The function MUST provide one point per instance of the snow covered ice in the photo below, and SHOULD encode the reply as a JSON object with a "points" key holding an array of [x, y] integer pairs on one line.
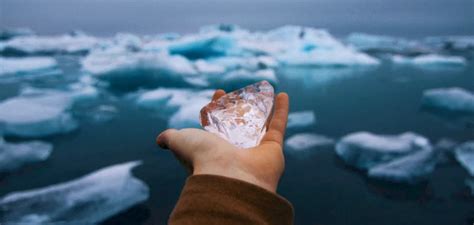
{"points": [[15, 155], [42, 112], [407, 157], [86, 200], [304, 141], [301, 119], [241, 116], [449, 99], [465, 156], [29, 65], [181, 106]]}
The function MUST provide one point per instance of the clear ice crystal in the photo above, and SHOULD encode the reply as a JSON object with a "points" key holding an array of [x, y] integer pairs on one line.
{"points": [[240, 116]]}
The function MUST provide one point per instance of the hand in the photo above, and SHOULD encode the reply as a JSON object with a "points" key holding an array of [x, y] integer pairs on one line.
{"points": [[202, 152]]}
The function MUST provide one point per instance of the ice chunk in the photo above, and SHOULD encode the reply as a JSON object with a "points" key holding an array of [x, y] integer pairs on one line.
{"points": [[450, 99], [63, 44], [203, 46], [21, 66], [304, 141], [411, 168], [240, 117], [384, 44], [16, 155], [133, 69], [301, 119], [465, 156], [7, 34], [42, 112], [434, 60], [181, 105], [365, 150], [87, 200], [452, 43]]}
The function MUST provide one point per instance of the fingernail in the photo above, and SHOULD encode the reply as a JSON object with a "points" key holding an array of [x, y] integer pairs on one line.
{"points": [[161, 142]]}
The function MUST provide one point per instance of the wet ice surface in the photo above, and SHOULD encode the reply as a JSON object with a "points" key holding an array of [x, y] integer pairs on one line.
{"points": [[121, 91], [15, 155]]}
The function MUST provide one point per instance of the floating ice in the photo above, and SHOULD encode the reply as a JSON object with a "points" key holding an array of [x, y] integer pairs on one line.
{"points": [[42, 112], [203, 46], [29, 65], [452, 43], [365, 150], [405, 158], [438, 60], [411, 168], [304, 141], [181, 105], [465, 155], [451, 99], [240, 117], [63, 44], [133, 69], [7, 34], [16, 155], [301, 119], [87, 200], [384, 44]]}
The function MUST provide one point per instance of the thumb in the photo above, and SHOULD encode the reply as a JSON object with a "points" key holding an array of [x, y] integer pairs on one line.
{"points": [[174, 140]]}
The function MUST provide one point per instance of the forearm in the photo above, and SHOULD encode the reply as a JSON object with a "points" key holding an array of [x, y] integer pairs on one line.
{"points": [[210, 199]]}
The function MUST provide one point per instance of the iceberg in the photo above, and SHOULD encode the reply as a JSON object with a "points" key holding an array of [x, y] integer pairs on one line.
{"points": [[453, 99], [304, 141], [76, 43], [470, 184], [135, 69], [203, 46], [411, 169], [365, 150], [404, 158], [7, 34], [42, 112], [438, 60], [385, 44], [182, 106], [465, 156], [301, 119], [29, 65], [86, 200], [15, 155]]}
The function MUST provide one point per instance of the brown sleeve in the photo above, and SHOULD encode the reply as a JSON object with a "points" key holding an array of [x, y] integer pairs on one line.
{"points": [[217, 200]]}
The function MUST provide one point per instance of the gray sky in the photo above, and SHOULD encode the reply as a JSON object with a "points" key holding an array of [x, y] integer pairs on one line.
{"points": [[409, 18]]}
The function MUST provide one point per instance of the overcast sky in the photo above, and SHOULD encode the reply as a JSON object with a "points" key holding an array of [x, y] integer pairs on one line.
{"points": [[410, 18]]}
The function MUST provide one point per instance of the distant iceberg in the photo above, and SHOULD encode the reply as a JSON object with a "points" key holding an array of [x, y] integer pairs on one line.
{"points": [[407, 158], [42, 112], [465, 156], [181, 106], [449, 99], [46, 45], [452, 43], [304, 141], [6, 34], [15, 155], [385, 44], [430, 61], [87, 200], [301, 119], [23, 66]]}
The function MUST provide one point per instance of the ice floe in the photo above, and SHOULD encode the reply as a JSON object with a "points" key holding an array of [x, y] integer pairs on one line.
{"points": [[385, 44], [301, 119], [38, 45], [42, 112], [407, 157], [86, 200], [304, 141], [465, 156], [15, 155], [430, 61], [449, 99], [181, 106], [29, 65]]}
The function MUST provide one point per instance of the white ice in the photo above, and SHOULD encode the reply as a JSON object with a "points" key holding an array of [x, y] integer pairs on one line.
{"points": [[86, 200], [64, 44], [26, 65], [42, 112], [433, 60], [301, 119], [182, 106], [451, 99], [382, 43], [304, 141], [15, 155], [465, 156], [365, 150]]}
